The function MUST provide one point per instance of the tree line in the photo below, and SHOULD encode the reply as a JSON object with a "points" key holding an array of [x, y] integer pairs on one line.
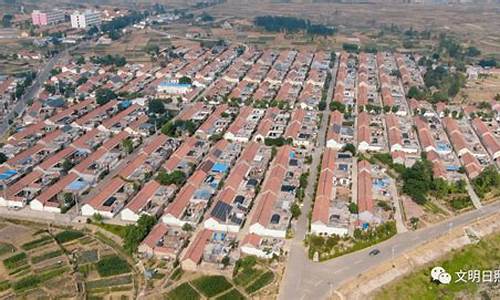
{"points": [[292, 24]]}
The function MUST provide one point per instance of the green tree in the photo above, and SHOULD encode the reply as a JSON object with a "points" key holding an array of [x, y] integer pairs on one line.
{"points": [[278, 142], [156, 106], [350, 47], [80, 60], [439, 97], [55, 71], [7, 20], [488, 180], [322, 105], [176, 177], [81, 80], [185, 80], [417, 181], [3, 158], [349, 147], [152, 49], [440, 187], [128, 145], [66, 165], [295, 209], [134, 234], [178, 127], [187, 227], [336, 105], [303, 180], [353, 208], [472, 51], [104, 95], [97, 218]]}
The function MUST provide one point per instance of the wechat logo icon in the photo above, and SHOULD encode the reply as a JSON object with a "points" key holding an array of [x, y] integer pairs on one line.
{"points": [[440, 275]]}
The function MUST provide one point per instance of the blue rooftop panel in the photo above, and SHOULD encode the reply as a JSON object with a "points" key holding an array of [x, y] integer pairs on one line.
{"points": [[174, 84], [7, 174], [219, 168], [77, 185]]}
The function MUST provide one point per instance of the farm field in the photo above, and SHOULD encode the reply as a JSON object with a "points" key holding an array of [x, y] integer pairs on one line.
{"points": [[58, 262], [481, 256], [251, 279], [472, 23], [480, 90]]}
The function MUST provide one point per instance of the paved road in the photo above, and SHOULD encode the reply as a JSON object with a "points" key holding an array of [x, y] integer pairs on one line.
{"points": [[472, 194], [398, 215], [297, 259], [312, 280], [31, 91]]}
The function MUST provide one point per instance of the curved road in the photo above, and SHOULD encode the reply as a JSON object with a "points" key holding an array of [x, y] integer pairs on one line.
{"points": [[305, 279]]}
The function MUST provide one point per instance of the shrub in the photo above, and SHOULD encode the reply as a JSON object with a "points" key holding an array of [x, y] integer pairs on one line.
{"points": [[45, 256], [261, 282], [15, 261], [68, 235], [6, 248], [37, 243], [212, 285], [112, 265], [26, 283], [182, 292], [4, 285], [231, 295], [103, 283], [246, 276]]}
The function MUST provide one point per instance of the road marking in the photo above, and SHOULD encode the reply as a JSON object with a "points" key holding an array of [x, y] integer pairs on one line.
{"points": [[358, 261]]}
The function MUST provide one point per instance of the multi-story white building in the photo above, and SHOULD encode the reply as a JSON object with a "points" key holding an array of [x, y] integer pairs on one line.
{"points": [[50, 17], [85, 19]]}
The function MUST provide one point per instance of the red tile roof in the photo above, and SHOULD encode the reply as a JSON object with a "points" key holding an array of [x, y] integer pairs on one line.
{"points": [[73, 109], [365, 197], [293, 128], [56, 158], [190, 111], [186, 193], [56, 188], [471, 165], [324, 191], [424, 133], [96, 112], [214, 117], [28, 131], [143, 196], [251, 239], [241, 120], [25, 181], [489, 140], [118, 117], [24, 155], [195, 249], [155, 144], [113, 186], [336, 119]]}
